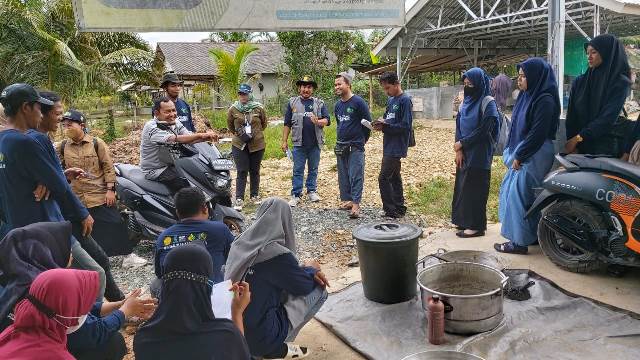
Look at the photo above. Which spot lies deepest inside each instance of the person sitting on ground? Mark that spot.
(193, 225)
(56, 305)
(184, 323)
(28, 251)
(164, 128)
(265, 254)
(26, 165)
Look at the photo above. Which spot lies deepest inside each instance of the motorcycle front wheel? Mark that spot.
(561, 252)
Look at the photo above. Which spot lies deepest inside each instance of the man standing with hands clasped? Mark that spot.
(397, 128)
(305, 119)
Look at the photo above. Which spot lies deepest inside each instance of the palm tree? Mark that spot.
(40, 44)
(231, 67)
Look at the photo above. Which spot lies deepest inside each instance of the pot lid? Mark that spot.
(387, 232)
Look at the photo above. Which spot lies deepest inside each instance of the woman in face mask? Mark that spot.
(476, 130)
(57, 304)
(97, 192)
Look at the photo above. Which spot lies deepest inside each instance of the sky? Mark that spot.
(154, 37)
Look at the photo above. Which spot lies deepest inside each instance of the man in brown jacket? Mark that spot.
(96, 189)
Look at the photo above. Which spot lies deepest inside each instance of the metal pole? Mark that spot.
(475, 53)
(596, 20)
(555, 48)
(399, 59)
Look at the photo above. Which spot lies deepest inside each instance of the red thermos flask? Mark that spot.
(435, 318)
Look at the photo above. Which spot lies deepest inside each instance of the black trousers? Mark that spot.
(470, 196)
(391, 190)
(172, 179)
(247, 163)
(111, 291)
(114, 349)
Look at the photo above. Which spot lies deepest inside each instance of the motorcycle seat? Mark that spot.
(135, 174)
(608, 164)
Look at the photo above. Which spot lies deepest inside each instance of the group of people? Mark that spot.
(596, 101)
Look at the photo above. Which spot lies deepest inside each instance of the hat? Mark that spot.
(13, 96)
(75, 116)
(307, 80)
(244, 89)
(170, 77)
(346, 76)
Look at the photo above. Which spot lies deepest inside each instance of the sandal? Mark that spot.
(354, 214)
(345, 206)
(296, 352)
(511, 248)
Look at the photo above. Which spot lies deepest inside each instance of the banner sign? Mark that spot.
(236, 15)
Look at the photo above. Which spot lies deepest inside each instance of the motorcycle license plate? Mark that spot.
(223, 164)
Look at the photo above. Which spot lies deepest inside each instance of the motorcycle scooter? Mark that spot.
(590, 213)
(148, 205)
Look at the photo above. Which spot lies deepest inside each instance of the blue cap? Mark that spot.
(245, 89)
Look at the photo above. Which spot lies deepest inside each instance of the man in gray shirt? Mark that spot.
(164, 128)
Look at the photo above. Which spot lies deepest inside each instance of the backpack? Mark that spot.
(64, 143)
(504, 127)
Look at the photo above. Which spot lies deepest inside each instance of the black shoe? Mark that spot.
(461, 234)
(393, 215)
(511, 248)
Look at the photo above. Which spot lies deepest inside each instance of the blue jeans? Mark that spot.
(351, 175)
(301, 156)
(314, 302)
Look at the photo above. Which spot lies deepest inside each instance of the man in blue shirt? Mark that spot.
(194, 225)
(172, 86)
(305, 119)
(25, 165)
(350, 111)
(396, 127)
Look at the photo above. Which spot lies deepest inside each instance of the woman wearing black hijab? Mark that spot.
(184, 326)
(597, 97)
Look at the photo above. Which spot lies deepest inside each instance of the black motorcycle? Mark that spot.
(590, 213)
(148, 205)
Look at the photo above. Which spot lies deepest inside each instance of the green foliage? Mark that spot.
(433, 198)
(241, 36)
(322, 55)
(110, 133)
(40, 45)
(230, 68)
(217, 118)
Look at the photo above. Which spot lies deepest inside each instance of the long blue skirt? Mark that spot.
(517, 194)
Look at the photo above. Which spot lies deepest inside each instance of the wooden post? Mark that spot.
(370, 90)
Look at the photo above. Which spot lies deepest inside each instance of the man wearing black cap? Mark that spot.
(172, 86)
(25, 164)
(305, 119)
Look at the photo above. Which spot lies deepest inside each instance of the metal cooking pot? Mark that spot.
(472, 294)
(442, 355)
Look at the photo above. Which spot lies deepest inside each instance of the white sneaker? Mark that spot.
(294, 201)
(133, 261)
(313, 196)
(256, 200)
(296, 352)
(238, 205)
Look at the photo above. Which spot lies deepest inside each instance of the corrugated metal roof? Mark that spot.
(193, 59)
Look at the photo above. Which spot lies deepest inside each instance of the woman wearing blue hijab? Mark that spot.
(476, 129)
(529, 153)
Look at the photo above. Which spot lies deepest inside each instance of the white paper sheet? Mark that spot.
(221, 299)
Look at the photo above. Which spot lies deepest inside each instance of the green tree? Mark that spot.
(241, 37)
(40, 44)
(231, 67)
(322, 55)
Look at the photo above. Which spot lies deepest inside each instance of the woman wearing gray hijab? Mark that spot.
(284, 295)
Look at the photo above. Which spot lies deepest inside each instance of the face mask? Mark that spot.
(71, 133)
(72, 329)
(470, 91)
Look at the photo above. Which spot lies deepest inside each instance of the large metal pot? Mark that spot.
(472, 294)
(442, 355)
